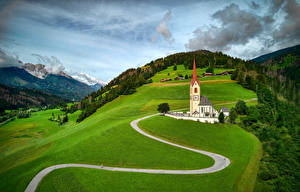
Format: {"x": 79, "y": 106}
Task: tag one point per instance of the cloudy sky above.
{"x": 104, "y": 38}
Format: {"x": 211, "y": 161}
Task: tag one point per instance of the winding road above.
{"x": 221, "y": 162}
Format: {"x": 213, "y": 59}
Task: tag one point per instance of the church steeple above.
{"x": 194, "y": 93}
{"x": 194, "y": 75}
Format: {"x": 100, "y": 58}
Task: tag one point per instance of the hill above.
{"x": 290, "y": 50}
{"x": 14, "y": 98}
{"x": 278, "y": 70}
{"x": 106, "y": 138}
{"x": 60, "y": 85}
{"x": 127, "y": 82}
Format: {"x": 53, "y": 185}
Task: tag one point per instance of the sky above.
{"x": 104, "y": 38}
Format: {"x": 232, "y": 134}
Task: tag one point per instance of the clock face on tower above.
{"x": 195, "y": 97}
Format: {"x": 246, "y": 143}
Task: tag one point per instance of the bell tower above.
{"x": 194, "y": 93}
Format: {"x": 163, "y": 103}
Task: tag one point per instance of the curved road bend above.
{"x": 221, "y": 162}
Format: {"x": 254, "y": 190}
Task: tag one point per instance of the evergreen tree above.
{"x": 241, "y": 107}
{"x": 221, "y": 117}
{"x": 65, "y": 119}
{"x": 232, "y": 115}
{"x": 175, "y": 67}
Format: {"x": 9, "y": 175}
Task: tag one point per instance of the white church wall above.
{"x": 199, "y": 119}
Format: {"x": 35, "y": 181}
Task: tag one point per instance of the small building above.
{"x": 164, "y": 80}
{"x": 225, "y": 111}
{"x": 207, "y": 74}
{"x": 179, "y": 78}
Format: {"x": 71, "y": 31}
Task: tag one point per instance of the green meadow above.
{"x": 170, "y": 73}
{"x": 30, "y": 145}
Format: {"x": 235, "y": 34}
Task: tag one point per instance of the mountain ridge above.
{"x": 54, "y": 84}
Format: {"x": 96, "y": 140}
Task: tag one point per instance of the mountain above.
{"x": 60, "y": 84}
{"x": 13, "y": 98}
{"x": 89, "y": 80}
{"x": 281, "y": 52}
{"x": 41, "y": 71}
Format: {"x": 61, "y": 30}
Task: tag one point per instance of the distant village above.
{"x": 203, "y": 75}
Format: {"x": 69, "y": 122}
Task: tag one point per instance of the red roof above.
{"x": 194, "y": 75}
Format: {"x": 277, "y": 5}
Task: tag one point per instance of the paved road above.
{"x": 221, "y": 162}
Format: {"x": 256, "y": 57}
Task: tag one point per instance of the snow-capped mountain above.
{"x": 41, "y": 71}
{"x": 89, "y": 80}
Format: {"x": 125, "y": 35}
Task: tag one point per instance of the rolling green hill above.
{"x": 107, "y": 138}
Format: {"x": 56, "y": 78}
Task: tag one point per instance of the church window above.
{"x": 196, "y": 90}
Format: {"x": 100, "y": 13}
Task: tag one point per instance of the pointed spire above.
{"x": 194, "y": 74}
{"x": 194, "y": 71}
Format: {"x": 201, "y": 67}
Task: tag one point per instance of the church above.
{"x": 201, "y": 108}
{"x": 200, "y": 105}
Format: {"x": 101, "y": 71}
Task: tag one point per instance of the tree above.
{"x": 221, "y": 117}
{"x": 186, "y": 77}
{"x": 232, "y": 115}
{"x": 163, "y": 108}
{"x": 241, "y": 107}
{"x": 175, "y": 67}
{"x": 65, "y": 119}
{"x": 210, "y": 70}
{"x": 58, "y": 118}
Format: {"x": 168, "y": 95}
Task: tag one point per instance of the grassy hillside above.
{"x": 107, "y": 138}
{"x": 172, "y": 74}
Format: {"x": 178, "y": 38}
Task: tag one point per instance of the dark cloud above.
{"x": 7, "y": 60}
{"x": 7, "y": 10}
{"x": 237, "y": 27}
{"x": 288, "y": 31}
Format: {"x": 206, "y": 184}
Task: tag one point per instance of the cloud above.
{"x": 237, "y": 27}
{"x": 254, "y": 5}
{"x": 163, "y": 29}
{"x": 278, "y": 27}
{"x": 7, "y": 60}
{"x": 289, "y": 30}
{"x": 52, "y": 64}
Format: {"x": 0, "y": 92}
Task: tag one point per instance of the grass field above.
{"x": 170, "y": 73}
{"x": 30, "y": 145}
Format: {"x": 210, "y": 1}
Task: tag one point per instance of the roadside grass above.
{"x": 107, "y": 138}
{"x": 243, "y": 148}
